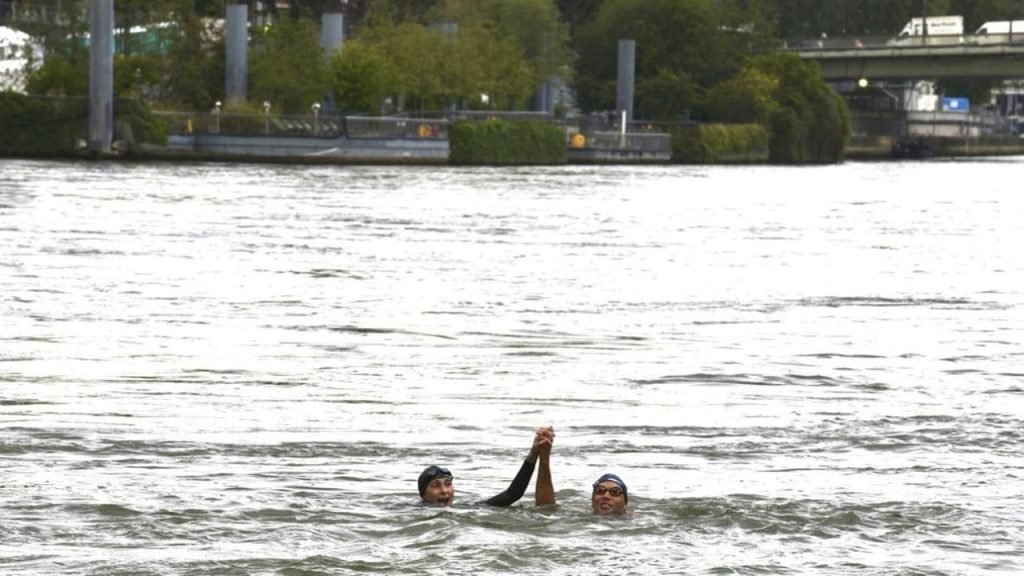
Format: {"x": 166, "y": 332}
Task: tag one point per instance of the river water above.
{"x": 237, "y": 369}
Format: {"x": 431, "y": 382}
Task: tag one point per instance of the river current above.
{"x": 241, "y": 369}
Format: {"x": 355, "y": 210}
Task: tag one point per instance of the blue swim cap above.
{"x": 429, "y": 474}
{"x": 615, "y": 479}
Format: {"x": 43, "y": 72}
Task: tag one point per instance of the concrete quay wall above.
{"x": 301, "y": 149}
{"x": 881, "y": 147}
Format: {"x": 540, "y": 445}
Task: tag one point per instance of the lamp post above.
{"x": 924, "y": 22}
{"x": 266, "y": 117}
{"x": 316, "y": 117}
{"x": 216, "y": 117}
{"x": 1011, "y": 15}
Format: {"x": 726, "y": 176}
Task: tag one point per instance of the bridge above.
{"x": 992, "y": 56}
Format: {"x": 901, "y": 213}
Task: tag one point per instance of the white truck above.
{"x": 941, "y": 30}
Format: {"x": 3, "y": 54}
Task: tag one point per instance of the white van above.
{"x": 1001, "y": 27}
{"x": 998, "y": 32}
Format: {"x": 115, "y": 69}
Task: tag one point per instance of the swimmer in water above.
{"x": 436, "y": 483}
{"x": 608, "y": 497}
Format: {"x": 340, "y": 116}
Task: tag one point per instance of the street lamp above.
{"x": 266, "y": 117}
{"x": 316, "y": 117}
{"x": 216, "y": 117}
{"x": 924, "y": 22}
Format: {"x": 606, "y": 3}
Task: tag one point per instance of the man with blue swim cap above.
{"x": 436, "y": 487}
{"x": 609, "y": 496}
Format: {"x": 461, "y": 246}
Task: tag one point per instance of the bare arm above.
{"x": 545, "y": 490}
{"x": 521, "y": 482}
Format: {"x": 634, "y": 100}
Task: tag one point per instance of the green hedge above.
{"x": 719, "y": 143}
{"x": 500, "y": 142}
{"x": 42, "y": 126}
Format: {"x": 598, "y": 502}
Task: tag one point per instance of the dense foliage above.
{"x": 499, "y": 142}
{"x": 719, "y": 143}
{"x": 35, "y": 126}
{"x": 469, "y": 53}
{"x": 287, "y": 67}
{"x": 808, "y": 122}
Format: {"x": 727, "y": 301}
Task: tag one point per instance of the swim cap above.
{"x": 615, "y": 479}
{"x": 431, "y": 473}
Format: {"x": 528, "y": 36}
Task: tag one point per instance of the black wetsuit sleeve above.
{"x": 516, "y": 489}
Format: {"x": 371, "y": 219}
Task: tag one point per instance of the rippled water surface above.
{"x": 229, "y": 369}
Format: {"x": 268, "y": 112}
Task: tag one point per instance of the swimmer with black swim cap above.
{"x": 436, "y": 487}
{"x": 435, "y": 484}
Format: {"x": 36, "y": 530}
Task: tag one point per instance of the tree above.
{"x": 578, "y": 12}
{"x": 194, "y": 64}
{"x": 681, "y": 46}
{"x": 395, "y": 11}
{"x": 537, "y": 27}
{"x": 416, "y": 54}
{"x": 60, "y": 76}
{"x": 360, "y": 78}
{"x": 808, "y": 121}
{"x": 518, "y": 33}
{"x": 747, "y": 97}
{"x": 502, "y": 49}
{"x": 287, "y": 66}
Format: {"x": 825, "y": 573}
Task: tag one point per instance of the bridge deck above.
{"x": 933, "y": 58}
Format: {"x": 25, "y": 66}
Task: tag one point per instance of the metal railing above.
{"x": 640, "y": 137}
{"x": 303, "y": 126}
{"x": 633, "y": 141}
{"x": 396, "y": 128}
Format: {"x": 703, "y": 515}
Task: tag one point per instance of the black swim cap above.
{"x": 429, "y": 474}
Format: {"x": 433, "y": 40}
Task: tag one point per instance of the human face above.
{"x": 439, "y": 491}
{"x": 603, "y": 500}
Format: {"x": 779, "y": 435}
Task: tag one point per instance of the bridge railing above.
{"x": 838, "y": 43}
{"x": 878, "y": 42}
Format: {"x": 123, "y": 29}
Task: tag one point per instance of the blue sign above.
{"x": 956, "y": 105}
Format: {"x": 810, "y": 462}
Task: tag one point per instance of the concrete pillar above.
{"x": 542, "y": 98}
{"x": 332, "y": 32}
{"x": 101, "y": 75}
{"x": 627, "y": 74}
{"x": 237, "y": 53}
